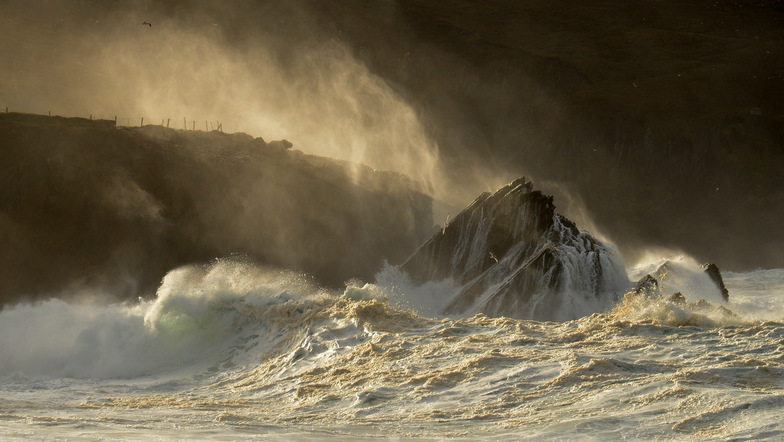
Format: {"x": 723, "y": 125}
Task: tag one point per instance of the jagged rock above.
{"x": 647, "y": 285}
{"x": 712, "y": 270}
{"x": 514, "y": 256}
{"x": 727, "y": 312}
{"x": 677, "y": 298}
{"x": 704, "y": 305}
{"x": 680, "y": 277}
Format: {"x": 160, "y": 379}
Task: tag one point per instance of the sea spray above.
{"x": 55, "y": 338}
{"x": 679, "y": 274}
{"x": 643, "y": 307}
{"x": 198, "y": 314}
{"x": 428, "y": 299}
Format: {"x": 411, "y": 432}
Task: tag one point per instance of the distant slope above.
{"x": 83, "y": 203}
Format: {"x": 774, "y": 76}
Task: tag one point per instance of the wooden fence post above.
{"x": 167, "y": 122}
{"x": 142, "y": 122}
{"x": 184, "y": 124}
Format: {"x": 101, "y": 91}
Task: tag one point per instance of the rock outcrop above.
{"x": 674, "y": 279}
{"x": 712, "y": 270}
{"x": 514, "y": 256}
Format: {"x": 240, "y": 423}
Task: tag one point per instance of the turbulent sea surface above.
{"x": 235, "y": 351}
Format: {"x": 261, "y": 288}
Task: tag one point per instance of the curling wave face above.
{"x": 234, "y": 349}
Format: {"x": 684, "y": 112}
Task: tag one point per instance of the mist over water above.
{"x": 272, "y": 81}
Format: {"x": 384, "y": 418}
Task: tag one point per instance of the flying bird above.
{"x": 147, "y": 23}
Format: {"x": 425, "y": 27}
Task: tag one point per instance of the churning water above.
{"x": 234, "y": 351}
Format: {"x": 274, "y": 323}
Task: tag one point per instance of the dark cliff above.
{"x": 84, "y": 203}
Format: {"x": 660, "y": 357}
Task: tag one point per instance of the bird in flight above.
{"x": 147, "y": 23}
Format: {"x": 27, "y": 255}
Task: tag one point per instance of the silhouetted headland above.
{"x": 88, "y": 204}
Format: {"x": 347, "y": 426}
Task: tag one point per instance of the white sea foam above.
{"x": 679, "y": 274}
{"x": 196, "y": 314}
{"x": 235, "y": 351}
{"x": 428, "y": 299}
{"x": 758, "y": 294}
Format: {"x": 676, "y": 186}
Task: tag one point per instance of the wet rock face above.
{"x": 488, "y": 228}
{"x": 514, "y": 256}
{"x": 712, "y": 270}
{"x": 648, "y": 285}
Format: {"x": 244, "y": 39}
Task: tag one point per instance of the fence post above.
{"x": 167, "y": 122}
{"x": 184, "y": 124}
{"x": 142, "y": 122}
{"x": 205, "y": 125}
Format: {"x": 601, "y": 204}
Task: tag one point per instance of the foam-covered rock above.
{"x": 682, "y": 280}
{"x": 514, "y": 256}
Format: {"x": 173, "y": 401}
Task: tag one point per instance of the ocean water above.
{"x": 234, "y": 351}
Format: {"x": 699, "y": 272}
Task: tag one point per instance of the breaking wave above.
{"x": 231, "y": 311}
{"x": 198, "y": 315}
{"x": 235, "y": 347}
